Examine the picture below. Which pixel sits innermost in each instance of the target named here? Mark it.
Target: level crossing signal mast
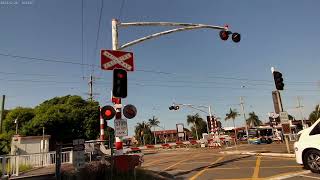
(278, 80)
(120, 83)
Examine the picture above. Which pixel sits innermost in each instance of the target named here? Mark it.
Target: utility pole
(244, 117)
(90, 88)
(17, 121)
(2, 111)
(300, 110)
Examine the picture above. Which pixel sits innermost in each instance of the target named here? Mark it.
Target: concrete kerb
(259, 154)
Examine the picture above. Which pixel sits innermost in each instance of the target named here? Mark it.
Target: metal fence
(10, 163)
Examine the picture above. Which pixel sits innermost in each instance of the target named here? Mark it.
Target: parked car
(307, 148)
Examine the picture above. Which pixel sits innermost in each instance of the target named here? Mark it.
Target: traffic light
(174, 107)
(236, 37)
(278, 80)
(120, 83)
(107, 112)
(129, 111)
(224, 35)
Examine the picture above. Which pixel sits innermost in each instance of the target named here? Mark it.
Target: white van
(307, 148)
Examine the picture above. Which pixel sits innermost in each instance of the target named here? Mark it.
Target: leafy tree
(232, 115)
(199, 125)
(154, 123)
(22, 115)
(253, 120)
(291, 117)
(5, 140)
(65, 118)
(315, 114)
(143, 133)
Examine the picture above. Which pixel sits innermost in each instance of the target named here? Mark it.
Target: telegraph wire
(82, 67)
(98, 35)
(43, 59)
(38, 81)
(18, 57)
(121, 9)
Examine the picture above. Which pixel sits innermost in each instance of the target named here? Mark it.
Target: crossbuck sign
(116, 60)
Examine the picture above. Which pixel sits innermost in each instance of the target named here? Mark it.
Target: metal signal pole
(91, 88)
(2, 111)
(244, 117)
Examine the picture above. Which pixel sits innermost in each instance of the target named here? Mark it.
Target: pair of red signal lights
(108, 112)
(224, 35)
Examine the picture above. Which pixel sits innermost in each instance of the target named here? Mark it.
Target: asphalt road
(210, 164)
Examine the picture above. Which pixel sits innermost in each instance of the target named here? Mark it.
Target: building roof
(165, 132)
(31, 137)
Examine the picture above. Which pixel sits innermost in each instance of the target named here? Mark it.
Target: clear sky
(199, 68)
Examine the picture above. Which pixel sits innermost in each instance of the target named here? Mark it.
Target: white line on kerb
(290, 175)
(310, 177)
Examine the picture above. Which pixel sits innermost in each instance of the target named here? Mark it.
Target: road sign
(117, 60)
(286, 128)
(277, 101)
(78, 153)
(121, 127)
(284, 118)
(78, 159)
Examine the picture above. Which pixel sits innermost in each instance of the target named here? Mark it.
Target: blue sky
(200, 68)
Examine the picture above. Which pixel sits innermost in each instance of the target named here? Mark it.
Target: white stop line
(117, 60)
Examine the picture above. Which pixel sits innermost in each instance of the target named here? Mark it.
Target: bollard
(119, 146)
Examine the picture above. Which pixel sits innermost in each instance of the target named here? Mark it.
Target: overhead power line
(82, 60)
(98, 34)
(121, 9)
(18, 57)
(38, 81)
(43, 59)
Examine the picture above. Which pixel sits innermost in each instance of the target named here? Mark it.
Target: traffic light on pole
(120, 83)
(174, 107)
(236, 37)
(278, 80)
(224, 35)
(107, 112)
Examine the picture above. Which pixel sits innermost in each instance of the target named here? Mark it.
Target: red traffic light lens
(108, 112)
(120, 75)
(224, 35)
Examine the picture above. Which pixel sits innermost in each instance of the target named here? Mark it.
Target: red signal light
(224, 35)
(107, 112)
(120, 75)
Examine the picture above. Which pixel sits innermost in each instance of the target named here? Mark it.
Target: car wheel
(311, 160)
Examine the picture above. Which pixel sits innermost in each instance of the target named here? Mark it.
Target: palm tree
(253, 120)
(315, 115)
(154, 123)
(195, 120)
(141, 129)
(232, 115)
